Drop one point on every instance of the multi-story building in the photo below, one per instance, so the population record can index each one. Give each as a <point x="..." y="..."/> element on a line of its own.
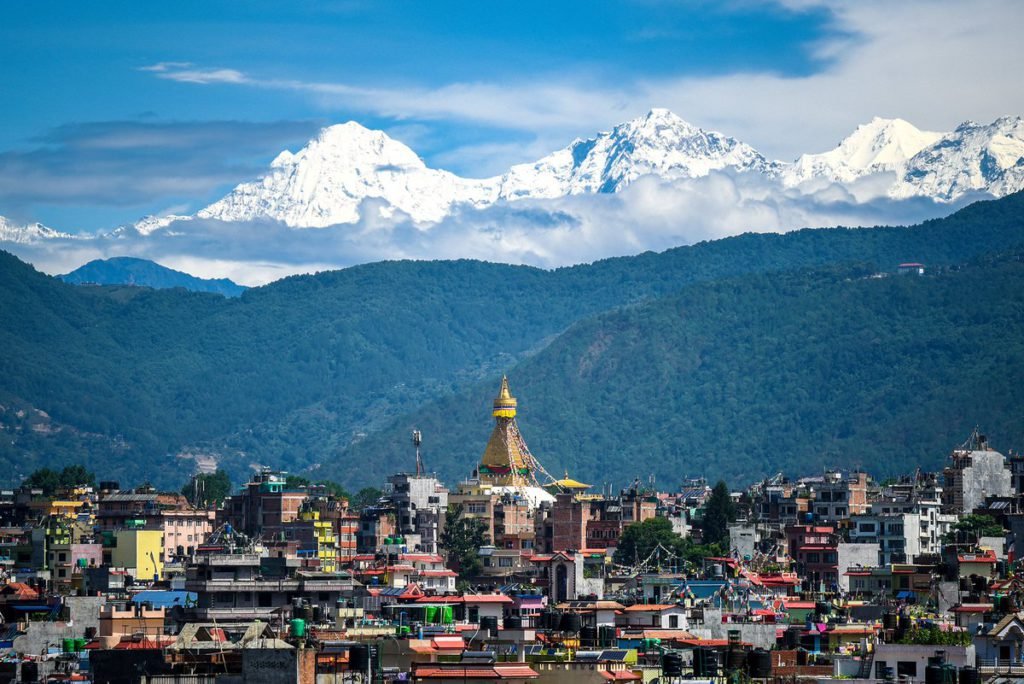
<point x="420" y="503"/>
<point x="264" y="506"/>
<point x="975" y="471"/>
<point x="814" y="550"/>
<point x="839" y="497"/>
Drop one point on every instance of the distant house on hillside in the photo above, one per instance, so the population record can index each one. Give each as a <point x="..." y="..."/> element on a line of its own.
<point x="910" y="268"/>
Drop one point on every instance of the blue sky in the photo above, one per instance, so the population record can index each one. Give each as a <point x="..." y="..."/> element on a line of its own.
<point x="115" y="110"/>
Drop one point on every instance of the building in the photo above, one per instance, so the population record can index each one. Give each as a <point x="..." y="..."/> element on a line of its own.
<point x="839" y="497"/>
<point x="140" y="552"/>
<point x="814" y="549"/>
<point x="975" y="472"/>
<point x="420" y="503"/>
<point x="264" y="506"/>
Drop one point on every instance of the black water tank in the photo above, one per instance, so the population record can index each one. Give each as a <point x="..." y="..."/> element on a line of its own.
<point x="705" y="662"/>
<point x="513" y="622"/>
<point x="489" y="624"/>
<point x="552" y="619"/>
<point x="606" y="635"/>
<point x="969" y="675"/>
<point x="571" y="623"/>
<point x="588" y="636"/>
<point x="791" y="638"/>
<point x="359" y="657"/>
<point x="737" y="659"/>
<point x="889" y="621"/>
<point x="29" y="671"/>
<point x="759" y="664"/>
<point x="933" y="674"/>
<point x="672" y="665"/>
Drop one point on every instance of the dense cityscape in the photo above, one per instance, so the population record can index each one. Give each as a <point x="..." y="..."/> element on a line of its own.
<point x="517" y="575"/>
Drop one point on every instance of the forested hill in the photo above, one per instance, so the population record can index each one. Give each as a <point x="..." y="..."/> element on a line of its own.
<point x="747" y="377"/>
<point x="145" y="273"/>
<point x="290" y="374"/>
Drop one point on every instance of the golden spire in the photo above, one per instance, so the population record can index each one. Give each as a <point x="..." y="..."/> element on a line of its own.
<point x="504" y="403"/>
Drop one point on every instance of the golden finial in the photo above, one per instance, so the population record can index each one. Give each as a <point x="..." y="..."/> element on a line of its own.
<point x="504" y="403"/>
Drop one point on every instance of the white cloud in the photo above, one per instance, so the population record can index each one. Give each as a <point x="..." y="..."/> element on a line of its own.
<point x="935" y="63"/>
<point x="650" y="214"/>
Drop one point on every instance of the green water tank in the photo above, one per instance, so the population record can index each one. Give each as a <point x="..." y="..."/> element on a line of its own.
<point x="298" y="627"/>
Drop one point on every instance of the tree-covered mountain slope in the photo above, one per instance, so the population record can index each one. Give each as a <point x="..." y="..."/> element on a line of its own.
<point x="146" y="273"/>
<point x="747" y="377"/>
<point x="290" y="374"/>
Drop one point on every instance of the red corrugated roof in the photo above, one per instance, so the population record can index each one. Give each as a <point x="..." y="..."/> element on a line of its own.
<point x="620" y="676"/>
<point x="496" y="671"/>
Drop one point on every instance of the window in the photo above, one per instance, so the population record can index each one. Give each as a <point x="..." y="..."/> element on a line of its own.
<point x="505" y="562"/>
<point x="673" y="622"/>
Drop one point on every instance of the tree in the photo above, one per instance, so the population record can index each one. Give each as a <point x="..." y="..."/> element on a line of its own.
<point x="364" y="498"/>
<point x="970" y="528"/>
<point x="51" y="480"/>
<point x="639" y="540"/>
<point x="461" y="540"/>
<point x="330" y="486"/>
<point x="718" y="513"/>
<point x="208" y="489"/>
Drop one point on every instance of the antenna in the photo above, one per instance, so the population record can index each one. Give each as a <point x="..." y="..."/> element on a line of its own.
<point x="417" y="440"/>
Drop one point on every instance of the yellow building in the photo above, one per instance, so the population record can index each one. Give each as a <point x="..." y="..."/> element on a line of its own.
<point x="325" y="539"/>
<point x="141" y="552"/>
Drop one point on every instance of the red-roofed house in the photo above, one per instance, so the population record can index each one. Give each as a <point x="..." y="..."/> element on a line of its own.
<point x="657" y="615"/>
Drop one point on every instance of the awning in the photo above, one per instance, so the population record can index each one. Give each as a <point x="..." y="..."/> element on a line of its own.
<point x="905" y="595"/>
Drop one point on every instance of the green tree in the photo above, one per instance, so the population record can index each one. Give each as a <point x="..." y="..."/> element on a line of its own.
<point x="972" y="527"/>
<point x="51" y="480"/>
<point x="719" y="512"/>
<point x="461" y="540"/>
<point x="365" y="497"/>
<point x="639" y="540"/>
<point x="208" y="489"/>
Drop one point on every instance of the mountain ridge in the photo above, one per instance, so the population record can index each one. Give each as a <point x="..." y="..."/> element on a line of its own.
<point x="145" y="273"/>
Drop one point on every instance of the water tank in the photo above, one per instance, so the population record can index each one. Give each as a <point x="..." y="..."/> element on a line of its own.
<point x="672" y="665"/>
<point x="969" y="675"/>
<point x="889" y="621"/>
<point x="317" y="614"/>
<point x="736" y="659"/>
<point x="551" y="619"/>
<point x="705" y="662"/>
<point x="359" y="657"/>
<point x="29" y="671"/>
<point x="512" y="622"/>
<point x="606" y="635"/>
<point x="759" y="664"/>
<point x="489" y="624"/>
<point x="588" y="636"/>
<point x="298" y="627"/>
<point x="306" y="613"/>
<point x="570" y="623"/>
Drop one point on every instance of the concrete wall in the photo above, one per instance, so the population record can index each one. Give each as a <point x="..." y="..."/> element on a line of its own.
<point x="742" y="539"/>
<point x="988" y="475"/>
<point x="891" y="654"/>
<point x="851" y="555"/>
<point x="759" y="634"/>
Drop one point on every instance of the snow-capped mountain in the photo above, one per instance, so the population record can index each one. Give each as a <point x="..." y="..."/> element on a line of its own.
<point x="324" y="182"/>
<point x="878" y="146"/>
<point x="660" y="143"/>
<point x="973" y="158"/>
<point x="27" y="233"/>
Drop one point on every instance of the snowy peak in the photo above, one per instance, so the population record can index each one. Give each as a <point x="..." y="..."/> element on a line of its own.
<point x="878" y="146"/>
<point x="659" y="143"/>
<point x="325" y="182"/>
<point x="27" y="233"/>
<point x="975" y="157"/>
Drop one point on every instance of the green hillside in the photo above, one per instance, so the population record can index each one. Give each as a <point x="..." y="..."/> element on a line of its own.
<point x="291" y="374"/>
<point x="746" y="377"/>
